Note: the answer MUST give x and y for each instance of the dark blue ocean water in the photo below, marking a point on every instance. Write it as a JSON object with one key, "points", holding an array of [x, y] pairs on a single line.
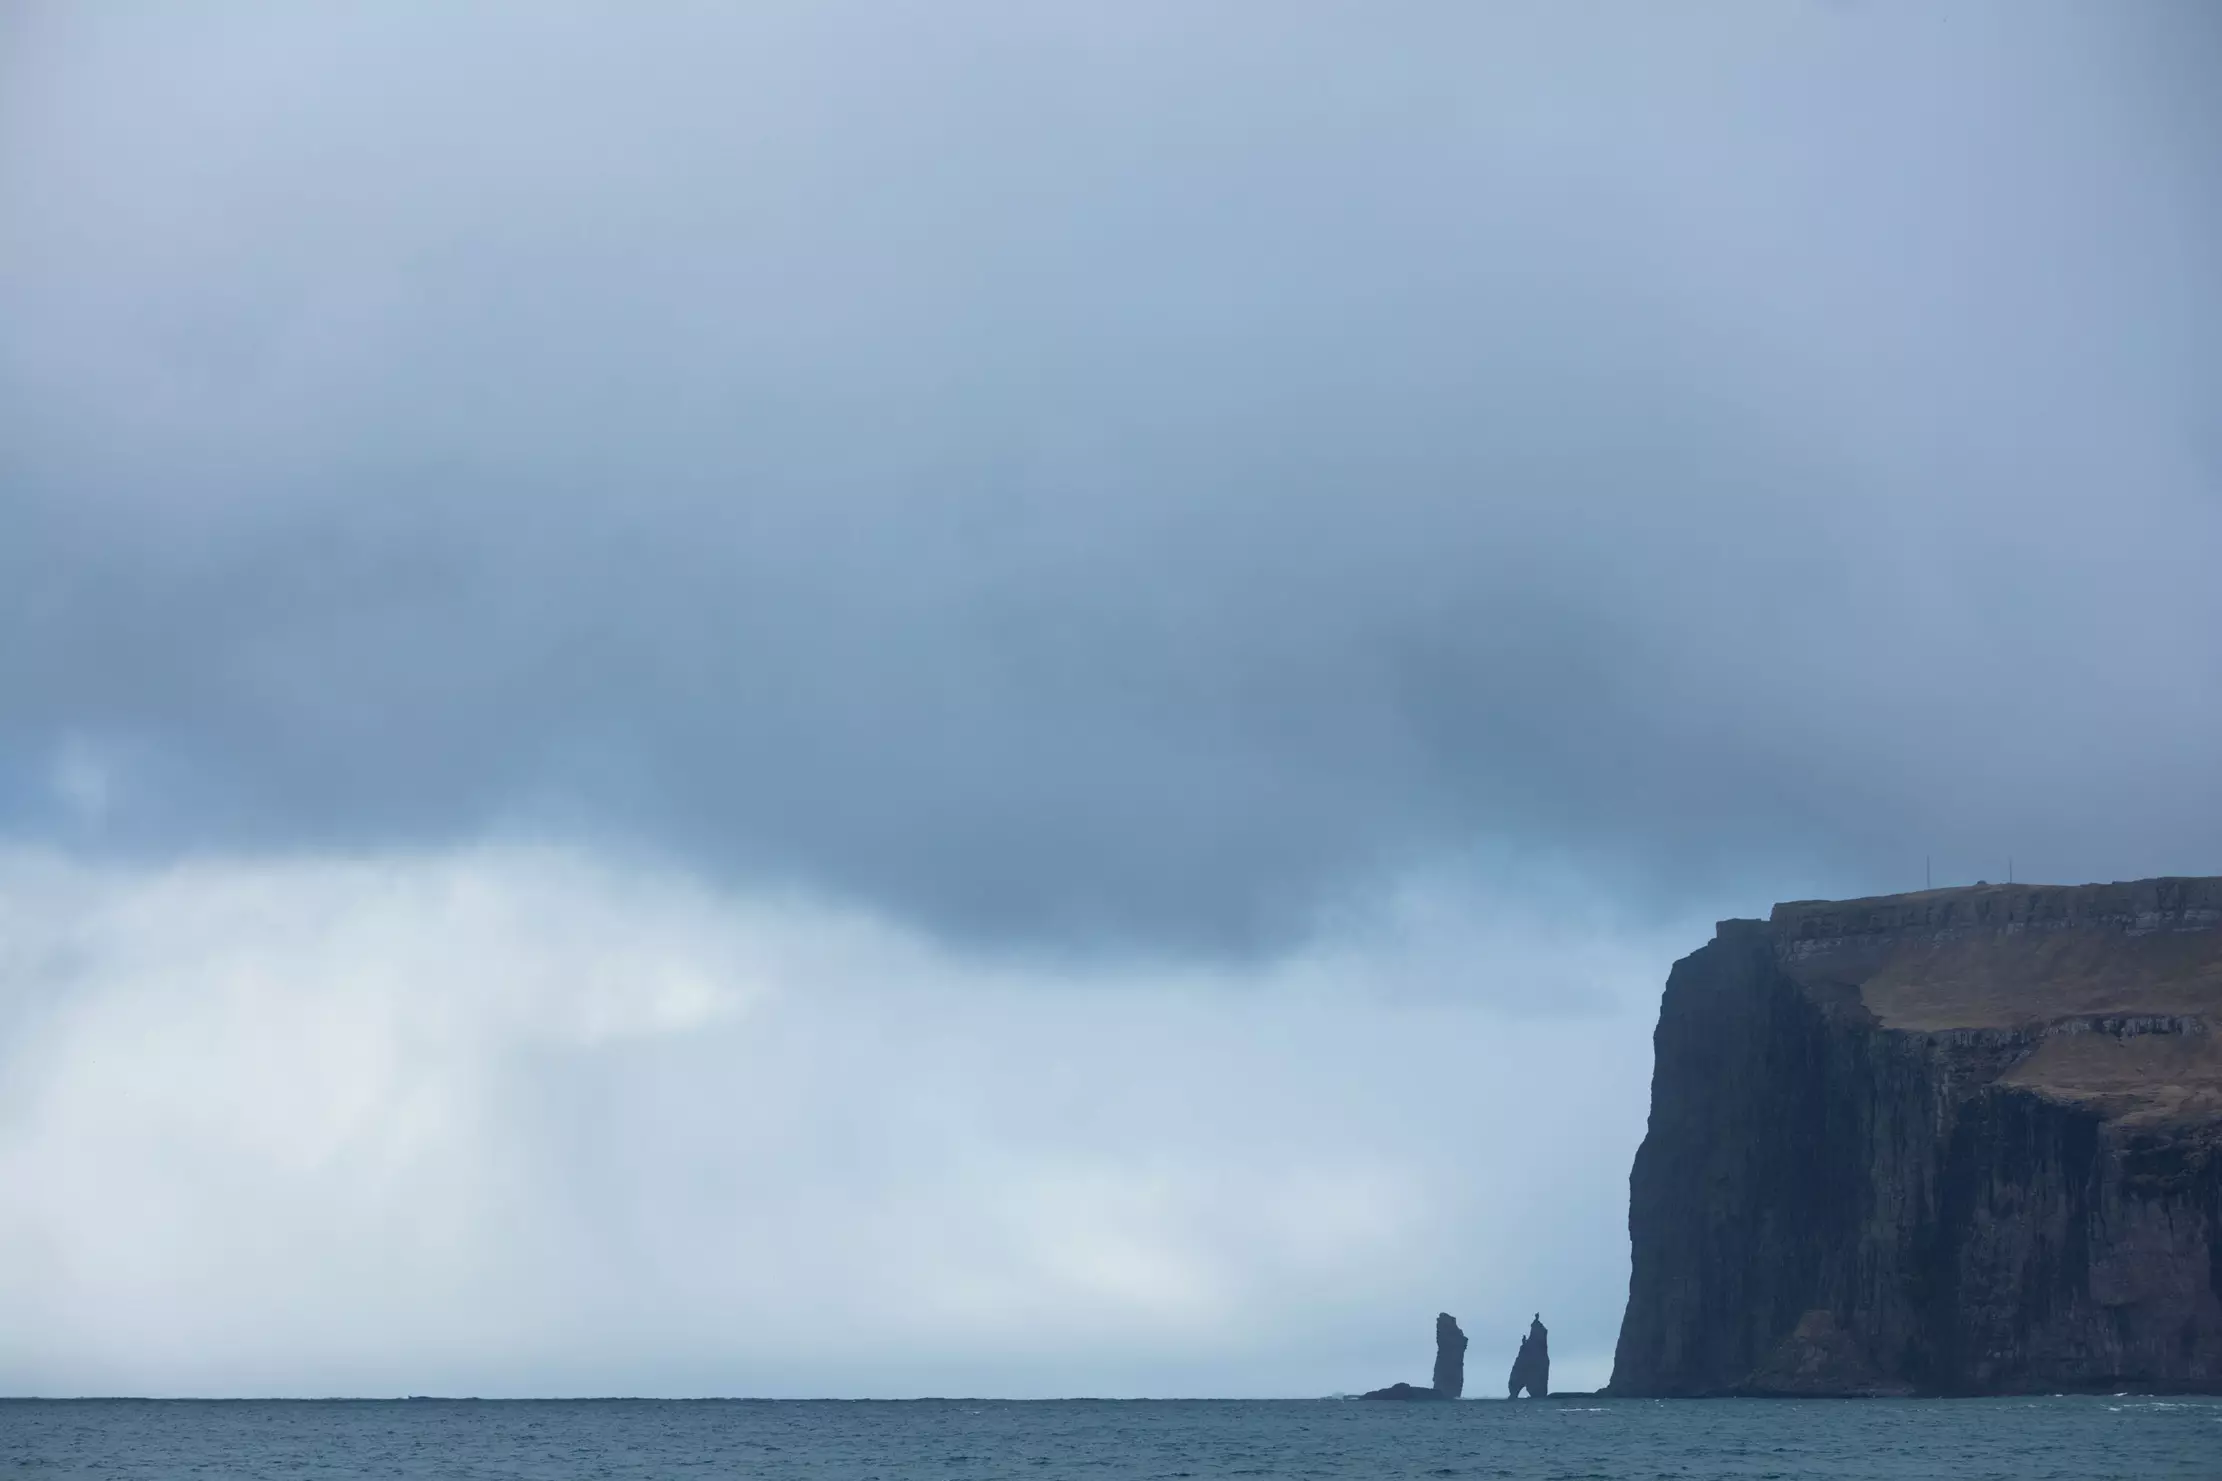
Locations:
{"points": [[2081, 1438]]}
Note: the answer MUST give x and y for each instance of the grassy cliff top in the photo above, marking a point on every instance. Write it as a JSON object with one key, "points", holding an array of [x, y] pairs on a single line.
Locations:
{"points": [[2004, 955], [2125, 980]]}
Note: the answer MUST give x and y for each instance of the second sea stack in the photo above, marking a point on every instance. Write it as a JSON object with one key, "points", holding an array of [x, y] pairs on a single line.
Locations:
{"points": [[1531, 1370]]}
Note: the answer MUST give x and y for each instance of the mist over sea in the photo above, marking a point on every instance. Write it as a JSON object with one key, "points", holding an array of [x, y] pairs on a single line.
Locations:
{"points": [[2028, 1439]]}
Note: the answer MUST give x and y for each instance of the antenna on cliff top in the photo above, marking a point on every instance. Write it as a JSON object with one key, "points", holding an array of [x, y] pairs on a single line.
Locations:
{"points": [[1926, 882], [2009, 869]]}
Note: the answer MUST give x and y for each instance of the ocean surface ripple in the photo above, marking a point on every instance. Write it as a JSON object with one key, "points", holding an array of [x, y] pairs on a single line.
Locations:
{"points": [[2023, 1439]]}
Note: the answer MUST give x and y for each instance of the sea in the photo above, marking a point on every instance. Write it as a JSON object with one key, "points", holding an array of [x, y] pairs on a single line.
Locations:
{"points": [[559, 1440]]}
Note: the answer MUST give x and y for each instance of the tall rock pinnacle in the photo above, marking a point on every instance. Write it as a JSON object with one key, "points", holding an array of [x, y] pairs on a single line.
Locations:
{"points": [[1531, 1370], [1450, 1367], [1450, 1357]]}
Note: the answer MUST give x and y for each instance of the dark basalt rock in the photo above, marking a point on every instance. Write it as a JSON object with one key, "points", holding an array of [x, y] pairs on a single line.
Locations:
{"points": [[1531, 1370], [1450, 1367], [1401, 1391], [1450, 1357], [1957, 1142]]}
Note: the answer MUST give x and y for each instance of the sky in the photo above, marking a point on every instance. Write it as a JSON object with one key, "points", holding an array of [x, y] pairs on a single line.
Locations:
{"points": [[882, 699]]}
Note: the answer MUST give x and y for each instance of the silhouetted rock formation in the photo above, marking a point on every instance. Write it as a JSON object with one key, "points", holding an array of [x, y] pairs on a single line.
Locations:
{"points": [[1960, 1141], [1531, 1370], [1450, 1367], [1450, 1357], [1401, 1391]]}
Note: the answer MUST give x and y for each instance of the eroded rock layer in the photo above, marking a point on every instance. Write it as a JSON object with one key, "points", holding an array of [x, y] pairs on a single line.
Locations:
{"points": [[1961, 1141]]}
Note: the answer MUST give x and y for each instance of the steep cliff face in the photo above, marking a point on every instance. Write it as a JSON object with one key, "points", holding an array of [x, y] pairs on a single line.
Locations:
{"points": [[1961, 1141]]}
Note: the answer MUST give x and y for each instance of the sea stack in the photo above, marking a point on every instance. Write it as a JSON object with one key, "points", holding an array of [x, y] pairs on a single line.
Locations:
{"points": [[1964, 1141], [1450, 1357], [1450, 1367], [1531, 1370]]}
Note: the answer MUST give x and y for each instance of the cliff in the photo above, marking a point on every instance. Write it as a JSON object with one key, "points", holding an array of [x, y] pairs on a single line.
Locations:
{"points": [[1961, 1141]]}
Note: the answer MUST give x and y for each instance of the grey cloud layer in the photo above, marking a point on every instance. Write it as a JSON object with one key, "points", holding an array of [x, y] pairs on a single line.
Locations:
{"points": [[1132, 475]]}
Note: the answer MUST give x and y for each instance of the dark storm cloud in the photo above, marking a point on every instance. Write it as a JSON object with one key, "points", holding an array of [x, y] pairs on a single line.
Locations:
{"points": [[1123, 469]]}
